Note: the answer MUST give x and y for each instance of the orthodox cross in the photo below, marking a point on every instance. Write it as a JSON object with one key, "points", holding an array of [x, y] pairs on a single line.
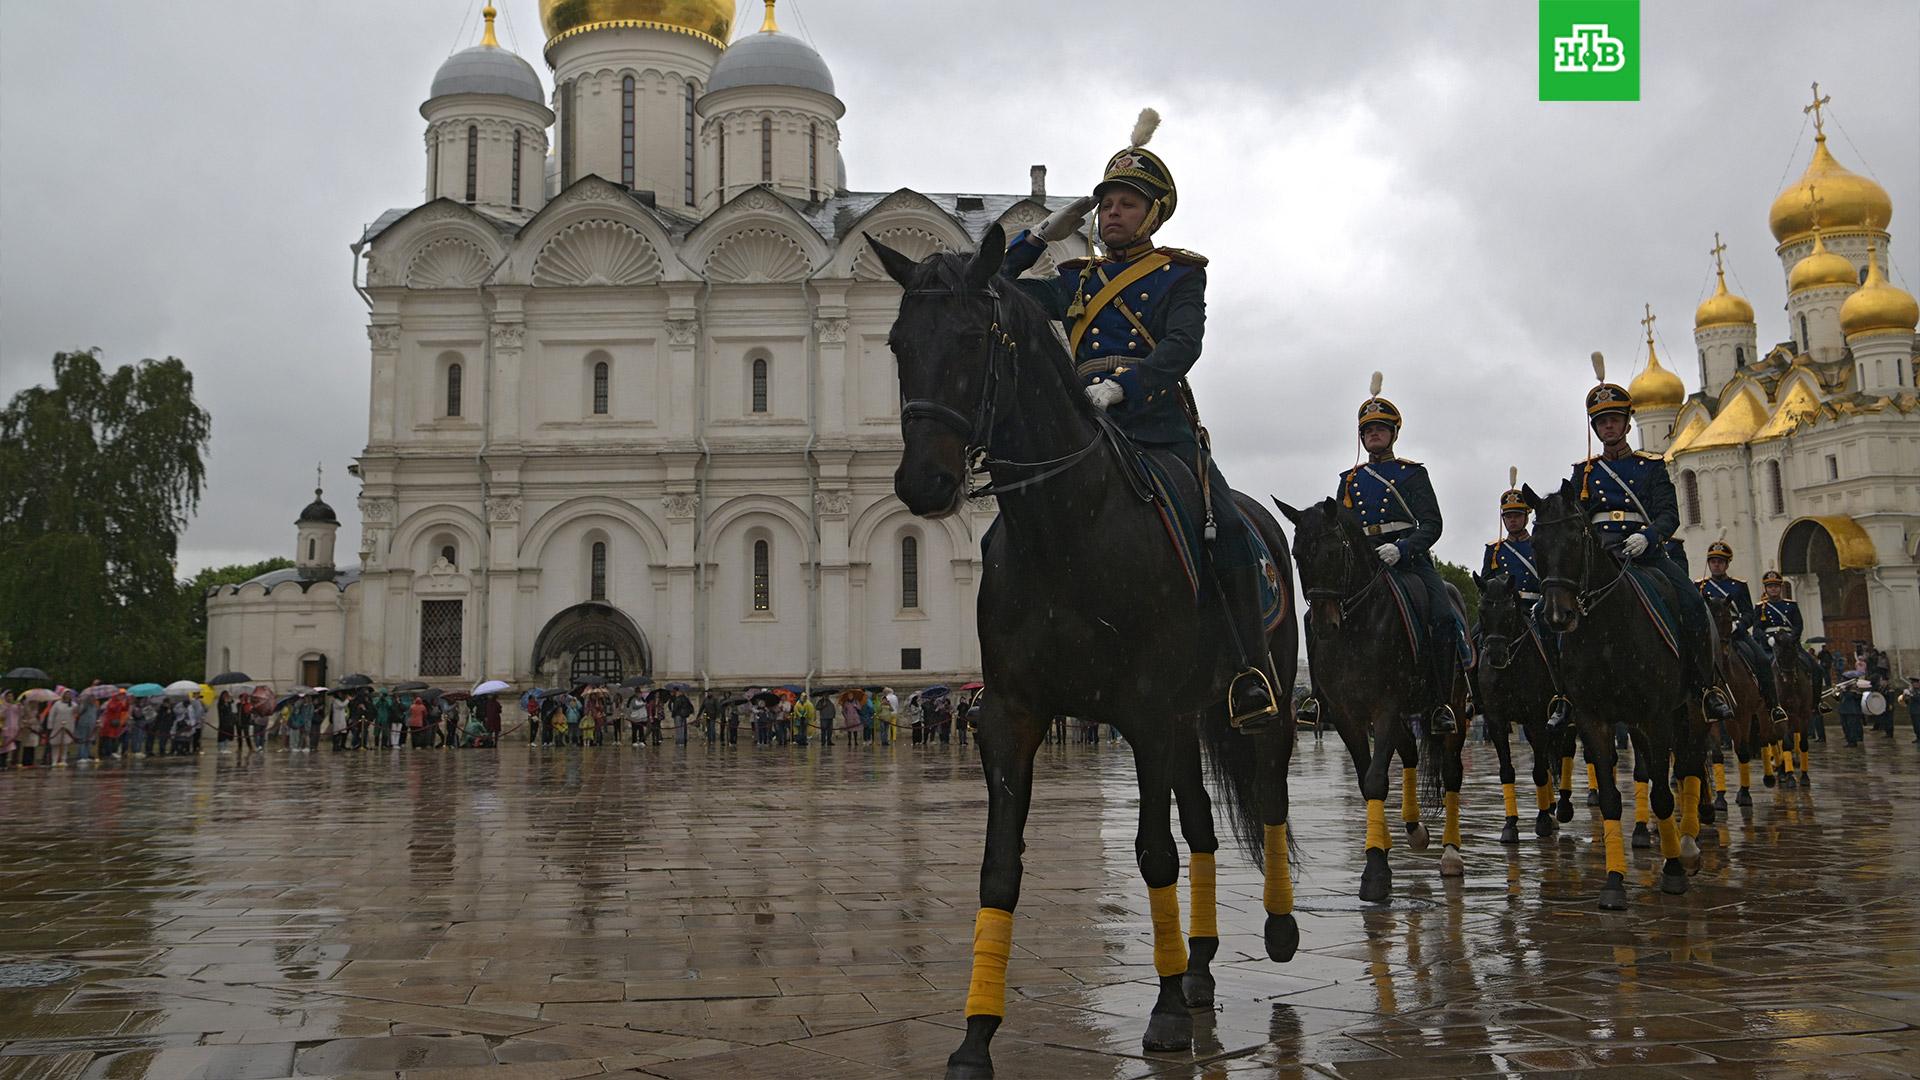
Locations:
{"points": [[1718, 248], [1648, 323], [1813, 208], [1819, 124]]}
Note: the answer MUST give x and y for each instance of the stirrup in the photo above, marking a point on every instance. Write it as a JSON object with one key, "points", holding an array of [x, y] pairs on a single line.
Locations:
{"points": [[1713, 702], [1442, 721], [1308, 712], [1252, 720], [1557, 711], [1779, 715]]}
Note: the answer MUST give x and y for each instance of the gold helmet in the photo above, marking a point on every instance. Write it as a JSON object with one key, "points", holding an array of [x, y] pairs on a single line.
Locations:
{"points": [[1606, 397], [1142, 170]]}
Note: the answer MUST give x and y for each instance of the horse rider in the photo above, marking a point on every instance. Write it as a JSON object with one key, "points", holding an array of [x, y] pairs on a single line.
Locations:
{"points": [[1717, 585], [1634, 510], [1776, 612], [1394, 500], [1512, 555], [1135, 317]]}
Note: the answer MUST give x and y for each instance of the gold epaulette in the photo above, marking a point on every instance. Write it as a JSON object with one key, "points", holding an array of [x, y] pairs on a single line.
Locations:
{"points": [[1737, 581], [1408, 461], [1183, 257], [1650, 455], [1074, 264]]}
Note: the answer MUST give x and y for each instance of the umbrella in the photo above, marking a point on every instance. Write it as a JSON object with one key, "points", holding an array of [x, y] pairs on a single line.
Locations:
{"points": [[793, 689], [411, 687], [40, 693], [635, 682], [590, 680], [355, 680], [765, 697], [491, 686], [457, 695], [229, 678], [183, 687], [146, 689], [932, 692], [974, 686], [1810, 641], [432, 693], [286, 700], [104, 690], [678, 686], [27, 673]]}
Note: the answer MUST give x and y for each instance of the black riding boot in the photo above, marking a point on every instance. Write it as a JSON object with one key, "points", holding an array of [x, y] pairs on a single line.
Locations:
{"points": [[1444, 667], [1253, 696]]}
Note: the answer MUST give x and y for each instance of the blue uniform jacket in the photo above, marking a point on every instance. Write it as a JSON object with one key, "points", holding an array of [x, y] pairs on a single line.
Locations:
{"points": [[1170, 303], [1783, 612], [1395, 502], [1734, 592], [1651, 508], [1515, 558]]}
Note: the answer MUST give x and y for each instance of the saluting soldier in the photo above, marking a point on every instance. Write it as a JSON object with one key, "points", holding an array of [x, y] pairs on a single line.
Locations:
{"points": [[1719, 585], [1135, 319], [1635, 511]]}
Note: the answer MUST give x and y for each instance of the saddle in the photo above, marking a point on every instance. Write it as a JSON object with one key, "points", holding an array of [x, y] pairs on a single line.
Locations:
{"points": [[1651, 589], [1168, 482]]}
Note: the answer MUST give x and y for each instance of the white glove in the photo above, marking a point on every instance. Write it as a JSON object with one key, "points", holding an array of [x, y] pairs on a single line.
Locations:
{"points": [[1389, 553], [1635, 545], [1065, 221], [1105, 394]]}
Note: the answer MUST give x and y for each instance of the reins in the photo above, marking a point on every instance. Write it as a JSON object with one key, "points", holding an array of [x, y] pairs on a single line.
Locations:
{"points": [[1349, 601], [1584, 598]]}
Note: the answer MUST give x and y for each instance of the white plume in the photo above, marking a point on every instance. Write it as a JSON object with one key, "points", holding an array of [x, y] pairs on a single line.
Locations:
{"points": [[1144, 127], [1373, 388], [1513, 476], [1599, 366]]}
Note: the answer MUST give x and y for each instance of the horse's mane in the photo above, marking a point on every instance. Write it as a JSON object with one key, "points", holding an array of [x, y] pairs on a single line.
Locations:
{"points": [[1025, 320]]}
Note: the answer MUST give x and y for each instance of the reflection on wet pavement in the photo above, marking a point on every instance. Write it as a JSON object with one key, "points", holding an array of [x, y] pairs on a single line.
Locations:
{"points": [[694, 914]]}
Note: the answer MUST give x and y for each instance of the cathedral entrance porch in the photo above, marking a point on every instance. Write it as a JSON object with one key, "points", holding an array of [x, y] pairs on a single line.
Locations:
{"points": [[591, 639]]}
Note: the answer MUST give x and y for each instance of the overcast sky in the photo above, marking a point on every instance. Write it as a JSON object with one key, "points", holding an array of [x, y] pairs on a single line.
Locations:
{"points": [[1376, 184]]}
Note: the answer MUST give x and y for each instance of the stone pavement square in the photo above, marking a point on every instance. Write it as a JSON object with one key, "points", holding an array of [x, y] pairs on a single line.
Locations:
{"points": [[729, 913]]}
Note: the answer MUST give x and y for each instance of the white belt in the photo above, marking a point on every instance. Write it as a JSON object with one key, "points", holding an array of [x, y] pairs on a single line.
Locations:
{"points": [[1529, 596], [1389, 527], [1617, 515]]}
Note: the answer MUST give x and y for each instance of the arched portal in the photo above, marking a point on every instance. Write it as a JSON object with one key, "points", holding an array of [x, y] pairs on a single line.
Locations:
{"points": [[1836, 553], [591, 639]]}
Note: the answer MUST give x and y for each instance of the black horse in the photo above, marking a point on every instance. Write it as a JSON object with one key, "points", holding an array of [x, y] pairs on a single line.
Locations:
{"points": [[1516, 689], [1794, 688], [1085, 610], [1616, 665], [1752, 722], [1368, 674]]}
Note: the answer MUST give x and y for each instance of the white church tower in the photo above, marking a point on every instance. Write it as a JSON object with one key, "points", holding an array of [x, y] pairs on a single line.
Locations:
{"points": [[487, 131], [317, 526]]}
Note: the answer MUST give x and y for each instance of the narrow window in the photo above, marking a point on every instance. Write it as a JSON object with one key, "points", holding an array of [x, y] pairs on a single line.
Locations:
{"points": [[813, 161], [1775, 488], [1703, 368], [433, 168], [1690, 485], [759, 384], [516, 170], [909, 659], [688, 179], [762, 581], [1806, 337], [569, 98], [598, 576], [600, 388], [722, 170], [1863, 275], [473, 161], [766, 151], [910, 573], [312, 548], [451, 554], [1833, 467], [453, 389], [1739, 356], [626, 131]]}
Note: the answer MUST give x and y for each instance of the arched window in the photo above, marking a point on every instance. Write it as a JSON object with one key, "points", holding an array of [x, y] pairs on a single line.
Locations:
{"points": [[1775, 489], [759, 384], [451, 554], [516, 169], [721, 156], [762, 577], [453, 389], [1690, 491], [813, 161], [1863, 275], [689, 140], [766, 150], [910, 572], [313, 548], [1739, 356], [569, 104], [473, 162], [597, 575], [1806, 337], [626, 131], [600, 388]]}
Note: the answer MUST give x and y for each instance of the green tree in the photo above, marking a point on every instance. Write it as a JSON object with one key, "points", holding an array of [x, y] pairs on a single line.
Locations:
{"points": [[1461, 578], [99, 474]]}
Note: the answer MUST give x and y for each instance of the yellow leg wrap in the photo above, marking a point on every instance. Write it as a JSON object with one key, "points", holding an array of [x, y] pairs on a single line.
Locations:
{"points": [[1544, 793], [1451, 833], [1642, 801], [1746, 775], [992, 944], [1566, 773], [1593, 777], [1616, 853], [1200, 895], [1669, 838], [1278, 899], [1766, 758], [1512, 800], [1169, 948], [1377, 834], [1720, 777], [1690, 806], [1410, 794]]}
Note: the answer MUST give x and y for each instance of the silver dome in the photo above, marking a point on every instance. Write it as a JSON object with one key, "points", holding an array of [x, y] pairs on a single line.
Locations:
{"points": [[488, 69], [771, 58]]}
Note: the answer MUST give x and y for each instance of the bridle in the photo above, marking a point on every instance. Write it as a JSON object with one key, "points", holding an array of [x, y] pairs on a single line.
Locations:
{"points": [[978, 430], [1584, 599], [1349, 601]]}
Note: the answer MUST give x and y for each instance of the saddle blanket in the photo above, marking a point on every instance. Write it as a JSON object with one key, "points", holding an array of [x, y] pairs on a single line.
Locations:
{"points": [[1648, 586], [1176, 497]]}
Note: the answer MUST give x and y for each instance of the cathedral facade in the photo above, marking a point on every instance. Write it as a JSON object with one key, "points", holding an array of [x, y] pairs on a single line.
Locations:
{"points": [[632, 408], [1805, 456]]}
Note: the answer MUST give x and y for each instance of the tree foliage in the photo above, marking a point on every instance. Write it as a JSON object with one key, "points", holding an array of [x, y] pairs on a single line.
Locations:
{"points": [[1461, 578], [193, 609]]}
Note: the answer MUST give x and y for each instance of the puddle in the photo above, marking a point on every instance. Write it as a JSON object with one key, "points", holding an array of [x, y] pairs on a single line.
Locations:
{"points": [[27, 976]]}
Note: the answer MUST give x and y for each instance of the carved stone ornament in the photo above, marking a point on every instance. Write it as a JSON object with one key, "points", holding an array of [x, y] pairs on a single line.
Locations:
{"points": [[509, 335], [369, 541], [503, 508], [384, 337], [682, 331], [679, 505], [832, 503], [757, 200], [376, 509], [597, 252], [830, 331]]}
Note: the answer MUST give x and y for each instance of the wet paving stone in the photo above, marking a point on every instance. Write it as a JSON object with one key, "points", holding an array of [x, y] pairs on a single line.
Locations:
{"points": [[732, 913]]}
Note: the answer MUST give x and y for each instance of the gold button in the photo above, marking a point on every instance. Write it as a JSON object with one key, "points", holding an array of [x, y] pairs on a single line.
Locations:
{"points": [[1143, 296], [1096, 329], [1131, 344]]}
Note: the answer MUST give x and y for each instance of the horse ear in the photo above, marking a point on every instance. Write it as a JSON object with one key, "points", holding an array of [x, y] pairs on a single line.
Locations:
{"points": [[1478, 581], [898, 266], [987, 258], [1532, 499], [1289, 512]]}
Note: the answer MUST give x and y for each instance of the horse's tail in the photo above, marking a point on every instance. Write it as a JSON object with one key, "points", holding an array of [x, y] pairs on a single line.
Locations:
{"points": [[1233, 760], [1432, 746]]}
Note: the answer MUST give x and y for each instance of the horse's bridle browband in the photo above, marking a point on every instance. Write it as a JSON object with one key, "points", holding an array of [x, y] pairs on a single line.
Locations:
{"points": [[1348, 601], [1583, 597]]}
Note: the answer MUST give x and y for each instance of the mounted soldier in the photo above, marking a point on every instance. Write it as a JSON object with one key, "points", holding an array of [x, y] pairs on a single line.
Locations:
{"points": [[1135, 318], [1775, 613], [1512, 555], [1718, 585], [1634, 510]]}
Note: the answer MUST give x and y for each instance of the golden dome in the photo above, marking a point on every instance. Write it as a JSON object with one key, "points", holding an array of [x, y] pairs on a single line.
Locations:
{"points": [[1722, 308], [1878, 305], [1820, 268], [1847, 200], [709, 20], [1656, 387]]}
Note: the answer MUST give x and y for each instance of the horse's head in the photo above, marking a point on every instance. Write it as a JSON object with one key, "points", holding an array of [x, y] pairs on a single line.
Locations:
{"points": [[1565, 549], [943, 344], [1502, 615], [1721, 613], [1328, 547]]}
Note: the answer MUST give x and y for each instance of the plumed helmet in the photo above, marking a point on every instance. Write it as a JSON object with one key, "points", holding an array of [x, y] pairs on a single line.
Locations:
{"points": [[1606, 397], [1378, 410], [1142, 170], [1772, 576], [1513, 500], [1720, 549]]}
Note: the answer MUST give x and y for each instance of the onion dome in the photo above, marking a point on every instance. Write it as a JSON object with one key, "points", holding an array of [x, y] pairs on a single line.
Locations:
{"points": [[488, 69], [1721, 309], [317, 512], [771, 58], [1820, 268], [1846, 199], [1656, 387], [709, 20], [1878, 305]]}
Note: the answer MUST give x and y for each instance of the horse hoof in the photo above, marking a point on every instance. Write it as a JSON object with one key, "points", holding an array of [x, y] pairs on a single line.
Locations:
{"points": [[1642, 838], [1804, 781], [1744, 798], [1565, 810], [1168, 1031], [1593, 798], [1417, 838], [1613, 894], [1543, 825], [1789, 781], [1706, 812], [1376, 881], [1196, 986], [1510, 833], [964, 1070], [1283, 938], [1451, 864], [1690, 854], [1767, 780], [1720, 802], [1673, 878]]}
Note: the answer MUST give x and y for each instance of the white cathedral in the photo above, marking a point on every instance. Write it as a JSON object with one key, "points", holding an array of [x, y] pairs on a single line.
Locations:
{"points": [[1806, 457], [632, 408]]}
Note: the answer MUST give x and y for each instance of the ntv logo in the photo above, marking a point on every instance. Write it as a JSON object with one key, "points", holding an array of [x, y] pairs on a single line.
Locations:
{"points": [[1589, 50]]}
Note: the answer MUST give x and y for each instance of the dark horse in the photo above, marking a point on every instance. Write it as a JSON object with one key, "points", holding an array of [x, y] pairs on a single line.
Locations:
{"points": [[1517, 690], [1752, 723], [1616, 665], [1085, 610], [1794, 689], [1360, 643]]}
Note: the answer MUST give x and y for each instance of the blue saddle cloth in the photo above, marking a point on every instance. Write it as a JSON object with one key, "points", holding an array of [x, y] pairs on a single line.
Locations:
{"points": [[1176, 496], [1649, 587]]}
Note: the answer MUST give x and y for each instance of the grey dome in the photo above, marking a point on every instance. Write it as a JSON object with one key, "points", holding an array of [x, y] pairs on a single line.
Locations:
{"points": [[488, 69], [317, 512], [771, 58]]}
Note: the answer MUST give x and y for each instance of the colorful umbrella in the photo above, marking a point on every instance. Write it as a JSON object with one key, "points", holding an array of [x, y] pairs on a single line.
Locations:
{"points": [[104, 690], [146, 689], [40, 693]]}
